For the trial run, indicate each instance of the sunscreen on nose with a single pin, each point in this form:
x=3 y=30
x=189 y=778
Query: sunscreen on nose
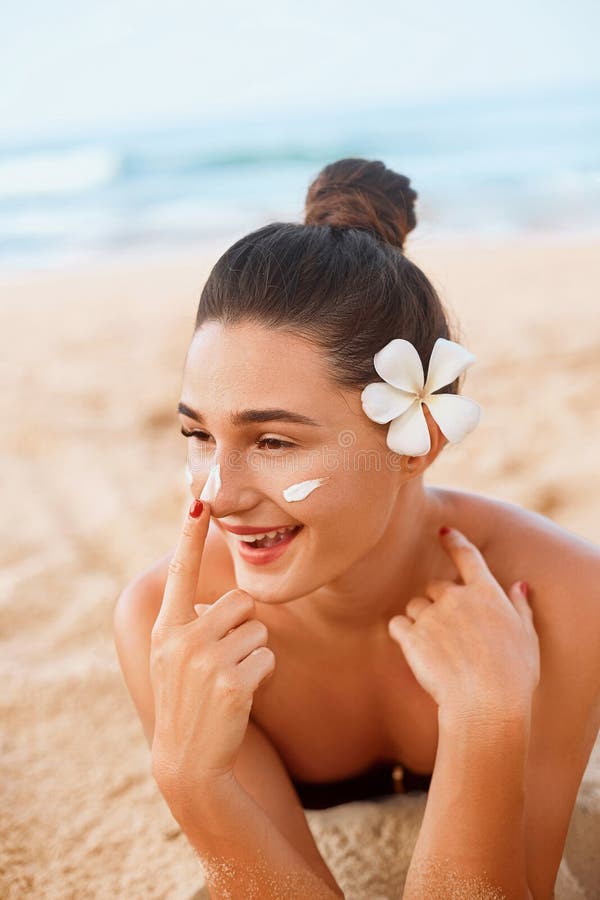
x=213 y=484
x=302 y=489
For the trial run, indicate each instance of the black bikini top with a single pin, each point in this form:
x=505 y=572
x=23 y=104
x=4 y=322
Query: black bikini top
x=381 y=779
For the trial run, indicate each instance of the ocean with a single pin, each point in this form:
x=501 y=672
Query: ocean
x=491 y=165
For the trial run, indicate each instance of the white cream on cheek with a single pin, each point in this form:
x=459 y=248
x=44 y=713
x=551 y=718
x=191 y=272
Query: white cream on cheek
x=297 y=491
x=302 y=489
x=212 y=485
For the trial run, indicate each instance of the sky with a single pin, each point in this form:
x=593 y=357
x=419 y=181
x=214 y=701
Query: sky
x=77 y=68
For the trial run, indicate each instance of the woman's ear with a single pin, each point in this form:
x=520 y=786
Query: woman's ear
x=409 y=463
x=415 y=465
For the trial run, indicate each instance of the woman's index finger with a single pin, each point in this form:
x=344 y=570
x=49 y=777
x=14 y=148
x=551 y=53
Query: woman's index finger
x=177 y=606
x=467 y=558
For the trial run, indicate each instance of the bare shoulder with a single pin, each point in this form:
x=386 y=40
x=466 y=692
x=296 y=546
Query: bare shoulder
x=561 y=567
x=506 y=531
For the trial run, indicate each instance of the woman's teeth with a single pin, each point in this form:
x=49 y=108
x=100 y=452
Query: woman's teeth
x=268 y=538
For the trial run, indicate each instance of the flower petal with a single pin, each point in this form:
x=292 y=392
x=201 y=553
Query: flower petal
x=448 y=359
x=382 y=402
x=400 y=365
x=456 y=415
x=409 y=433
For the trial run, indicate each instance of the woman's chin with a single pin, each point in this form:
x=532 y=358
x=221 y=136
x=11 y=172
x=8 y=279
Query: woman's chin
x=261 y=593
x=267 y=589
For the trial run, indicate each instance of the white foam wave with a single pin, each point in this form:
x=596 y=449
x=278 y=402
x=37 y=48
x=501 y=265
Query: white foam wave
x=51 y=173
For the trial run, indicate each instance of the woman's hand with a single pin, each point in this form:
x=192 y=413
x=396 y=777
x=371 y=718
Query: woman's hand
x=470 y=646
x=204 y=667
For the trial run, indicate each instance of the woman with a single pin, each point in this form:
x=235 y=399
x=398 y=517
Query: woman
x=366 y=652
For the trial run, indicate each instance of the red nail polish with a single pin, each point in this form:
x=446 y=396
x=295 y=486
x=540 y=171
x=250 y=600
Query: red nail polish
x=525 y=588
x=444 y=530
x=196 y=509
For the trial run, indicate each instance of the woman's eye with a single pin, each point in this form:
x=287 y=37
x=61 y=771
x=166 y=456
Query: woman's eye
x=201 y=435
x=204 y=437
x=282 y=444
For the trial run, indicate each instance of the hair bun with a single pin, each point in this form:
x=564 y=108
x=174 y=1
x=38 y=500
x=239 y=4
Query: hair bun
x=362 y=193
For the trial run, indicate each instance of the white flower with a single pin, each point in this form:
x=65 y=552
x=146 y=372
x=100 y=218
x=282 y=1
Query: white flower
x=398 y=398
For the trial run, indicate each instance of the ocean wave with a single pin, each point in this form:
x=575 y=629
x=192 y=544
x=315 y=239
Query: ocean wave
x=198 y=162
x=481 y=167
x=52 y=173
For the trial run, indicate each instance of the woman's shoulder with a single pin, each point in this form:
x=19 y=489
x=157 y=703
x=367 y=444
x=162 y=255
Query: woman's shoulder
x=520 y=543
x=497 y=525
x=502 y=524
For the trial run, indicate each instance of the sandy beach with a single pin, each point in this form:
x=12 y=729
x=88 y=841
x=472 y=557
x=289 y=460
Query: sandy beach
x=94 y=490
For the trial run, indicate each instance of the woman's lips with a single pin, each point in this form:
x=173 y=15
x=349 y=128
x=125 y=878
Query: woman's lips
x=262 y=555
x=247 y=529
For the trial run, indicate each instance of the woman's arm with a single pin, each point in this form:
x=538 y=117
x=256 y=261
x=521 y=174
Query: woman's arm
x=260 y=817
x=471 y=842
x=475 y=649
x=242 y=852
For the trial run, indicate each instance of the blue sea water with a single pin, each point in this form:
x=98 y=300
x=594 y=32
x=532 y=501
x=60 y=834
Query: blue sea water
x=486 y=165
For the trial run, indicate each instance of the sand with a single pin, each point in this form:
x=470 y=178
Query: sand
x=93 y=492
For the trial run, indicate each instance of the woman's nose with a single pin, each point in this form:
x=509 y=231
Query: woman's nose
x=212 y=485
x=229 y=487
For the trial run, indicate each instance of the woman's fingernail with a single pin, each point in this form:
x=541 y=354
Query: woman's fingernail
x=445 y=530
x=525 y=588
x=196 y=509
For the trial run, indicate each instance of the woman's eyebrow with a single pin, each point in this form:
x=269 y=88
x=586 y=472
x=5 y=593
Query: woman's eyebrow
x=249 y=416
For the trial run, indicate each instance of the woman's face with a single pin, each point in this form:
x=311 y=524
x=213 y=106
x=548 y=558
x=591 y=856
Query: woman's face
x=230 y=369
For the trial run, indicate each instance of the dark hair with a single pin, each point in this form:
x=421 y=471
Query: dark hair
x=341 y=279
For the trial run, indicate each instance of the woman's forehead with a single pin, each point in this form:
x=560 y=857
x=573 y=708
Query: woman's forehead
x=255 y=353
x=248 y=367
